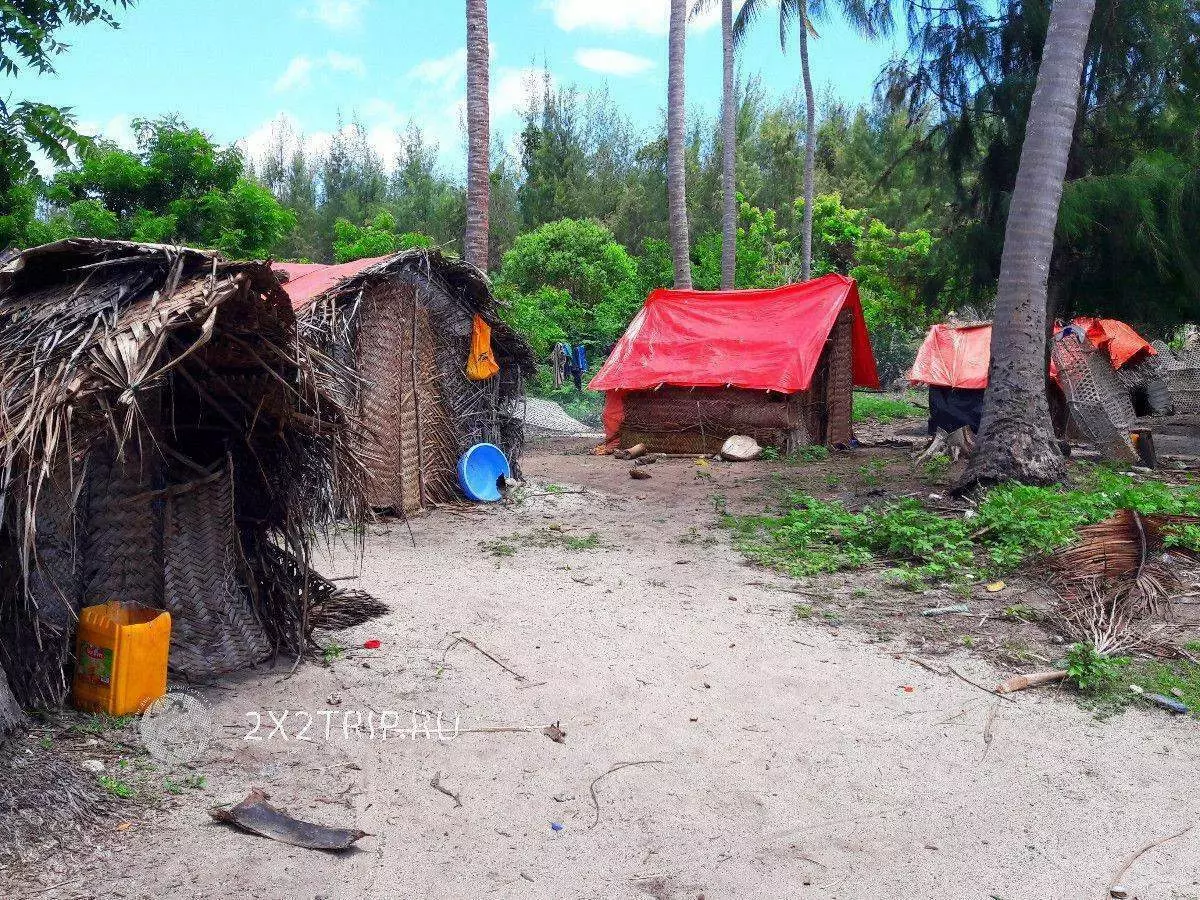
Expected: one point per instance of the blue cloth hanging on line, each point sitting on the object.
(581, 358)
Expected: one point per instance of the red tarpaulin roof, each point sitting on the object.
(763, 340)
(1122, 342)
(307, 280)
(954, 357)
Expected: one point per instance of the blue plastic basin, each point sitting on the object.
(480, 471)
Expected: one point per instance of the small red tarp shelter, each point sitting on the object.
(954, 357)
(958, 356)
(762, 340)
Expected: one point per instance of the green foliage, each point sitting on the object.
(29, 40)
(1013, 523)
(882, 408)
(116, 787)
(814, 536)
(1022, 521)
(595, 280)
(177, 186)
(376, 238)
(1093, 672)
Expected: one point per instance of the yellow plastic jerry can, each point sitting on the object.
(121, 657)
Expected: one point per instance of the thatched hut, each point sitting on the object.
(165, 444)
(780, 365)
(404, 324)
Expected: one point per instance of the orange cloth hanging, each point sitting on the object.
(481, 365)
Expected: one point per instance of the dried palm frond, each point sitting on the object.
(1116, 581)
(127, 373)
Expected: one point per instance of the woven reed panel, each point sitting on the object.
(1101, 410)
(56, 581)
(409, 475)
(439, 445)
(682, 420)
(380, 338)
(214, 628)
(1181, 371)
(124, 531)
(839, 386)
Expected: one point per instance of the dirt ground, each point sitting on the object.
(777, 756)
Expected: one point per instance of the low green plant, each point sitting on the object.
(116, 787)
(1092, 671)
(769, 453)
(882, 408)
(332, 653)
(540, 537)
(936, 466)
(814, 536)
(802, 611)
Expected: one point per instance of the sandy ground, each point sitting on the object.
(791, 759)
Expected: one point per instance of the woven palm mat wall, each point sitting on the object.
(418, 418)
(839, 389)
(429, 446)
(682, 420)
(123, 558)
(1100, 407)
(380, 335)
(214, 627)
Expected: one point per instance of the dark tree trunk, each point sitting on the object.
(475, 240)
(676, 122)
(810, 146)
(729, 152)
(1016, 438)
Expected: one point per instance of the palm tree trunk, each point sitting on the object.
(729, 153)
(676, 121)
(1016, 437)
(810, 147)
(475, 240)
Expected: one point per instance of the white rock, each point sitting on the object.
(740, 448)
(93, 765)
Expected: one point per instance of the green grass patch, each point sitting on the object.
(1013, 523)
(540, 537)
(884, 408)
(1104, 682)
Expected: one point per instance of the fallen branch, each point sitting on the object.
(468, 641)
(1129, 863)
(1034, 679)
(975, 684)
(436, 784)
(616, 768)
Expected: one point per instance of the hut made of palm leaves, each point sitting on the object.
(404, 324)
(164, 443)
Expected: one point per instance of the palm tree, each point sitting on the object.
(871, 17)
(728, 143)
(475, 240)
(1016, 437)
(676, 175)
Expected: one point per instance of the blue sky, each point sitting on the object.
(232, 67)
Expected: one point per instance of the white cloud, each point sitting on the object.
(612, 62)
(340, 62)
(650, 16)
(296, 75)
(300, 70)
(445, 72)
(510, 90)
(340, 15)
